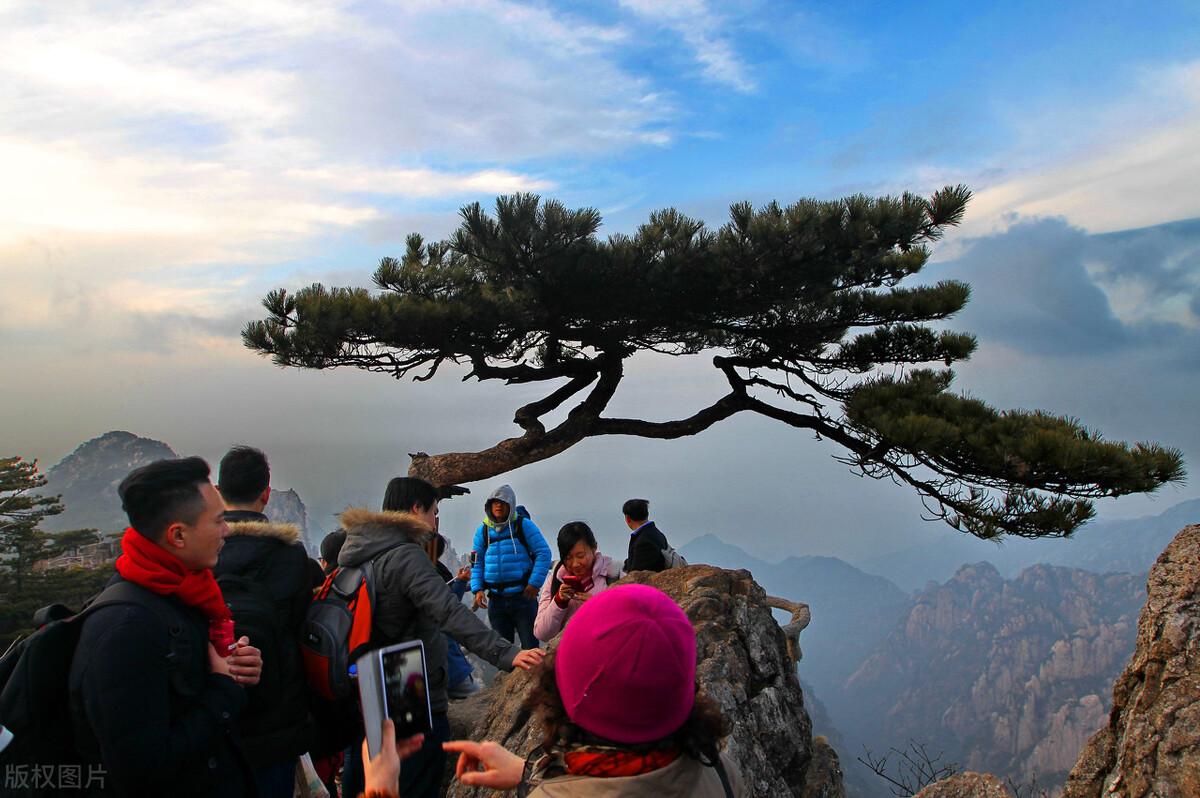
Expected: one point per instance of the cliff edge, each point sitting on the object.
(1151, 745)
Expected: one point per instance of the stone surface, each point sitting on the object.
(285, 507)
(966, 785)
(742, 664)
(1151, 744)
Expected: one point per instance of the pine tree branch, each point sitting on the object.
(527, 417)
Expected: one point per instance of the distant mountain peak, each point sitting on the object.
(87, 479)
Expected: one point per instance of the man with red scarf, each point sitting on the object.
(154, 683)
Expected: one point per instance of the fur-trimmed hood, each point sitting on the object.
(285, 533)
(370, 532)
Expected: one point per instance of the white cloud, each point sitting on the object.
(700, 28)
(1132, 162)
(148, 142)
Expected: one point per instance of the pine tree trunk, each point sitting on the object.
(456, 468)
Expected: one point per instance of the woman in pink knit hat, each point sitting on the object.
(620, 707)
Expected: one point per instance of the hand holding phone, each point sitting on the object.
(393, 682)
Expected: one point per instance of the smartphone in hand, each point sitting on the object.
(393, 682)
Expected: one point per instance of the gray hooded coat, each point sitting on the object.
(412, 600)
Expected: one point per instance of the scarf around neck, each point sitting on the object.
(149, 565)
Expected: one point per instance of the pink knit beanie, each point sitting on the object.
(626, 665)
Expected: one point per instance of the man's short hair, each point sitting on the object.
(331, 546)
(163, 492)
(244, 475)
(403, 492)
(636, 509)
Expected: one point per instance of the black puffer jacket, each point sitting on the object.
(276, 725)
(146, 708)
(412, 601)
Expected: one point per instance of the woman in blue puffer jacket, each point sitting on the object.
(512, 559)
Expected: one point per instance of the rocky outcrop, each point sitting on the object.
(966, 785)
(743, 664)
(1005, 676)
(87, 480)
(285, 507)
(1151, 744)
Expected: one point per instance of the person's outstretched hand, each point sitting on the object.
(528, 658)
(383, 772)
(486, 764)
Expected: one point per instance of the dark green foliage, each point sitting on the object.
(800, 302)
(69, 586)
(22, 541)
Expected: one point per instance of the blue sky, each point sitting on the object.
(168, 163)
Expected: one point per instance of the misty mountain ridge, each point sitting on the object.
(1007, 676)
(840, 596)
(88, 477)
(1121, 545)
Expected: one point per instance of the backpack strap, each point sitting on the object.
(178, 647)
(725, 785)
(517, 531)
(126, 592)
(518, 525)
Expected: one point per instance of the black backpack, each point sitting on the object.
(34, 692)
(256, 615)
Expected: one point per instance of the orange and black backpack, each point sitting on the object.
(337, 630)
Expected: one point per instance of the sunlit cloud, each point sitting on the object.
(1129, 163)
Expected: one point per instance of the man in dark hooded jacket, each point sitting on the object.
(413, 602)
(265, 565)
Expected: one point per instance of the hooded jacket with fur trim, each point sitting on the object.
(276, 725)
(412, 600)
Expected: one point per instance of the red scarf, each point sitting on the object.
(609, 763)
(146, 563)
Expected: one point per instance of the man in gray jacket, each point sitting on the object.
(413, 602)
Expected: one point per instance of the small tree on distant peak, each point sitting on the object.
(801, 308)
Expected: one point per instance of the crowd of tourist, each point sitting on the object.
(191, 677)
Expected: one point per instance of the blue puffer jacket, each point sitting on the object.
(507, 567)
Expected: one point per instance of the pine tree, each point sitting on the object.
(22, 542)
(800, 308)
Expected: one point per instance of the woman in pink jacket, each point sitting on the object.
(580, 573)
